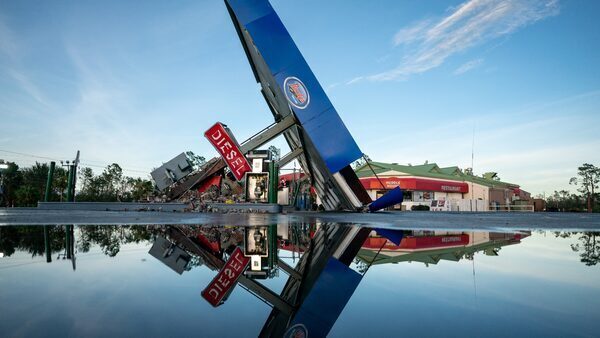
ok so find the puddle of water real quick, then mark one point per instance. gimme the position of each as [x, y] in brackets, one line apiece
[312, 279]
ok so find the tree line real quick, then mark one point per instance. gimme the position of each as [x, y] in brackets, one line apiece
[25, 187]
[110, 238]
[588, 177]
[586, 181]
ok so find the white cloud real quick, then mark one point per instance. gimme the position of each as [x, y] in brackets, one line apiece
[28, 86]
[333, 85]
[538, 146]
[430, 42]
[467, 66]
[11, 53]
[412, 33]
[8, 45]
[355, 80]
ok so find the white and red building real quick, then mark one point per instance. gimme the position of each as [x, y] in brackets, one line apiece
[448, 189]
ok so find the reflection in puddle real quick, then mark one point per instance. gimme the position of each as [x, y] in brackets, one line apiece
[306, 273]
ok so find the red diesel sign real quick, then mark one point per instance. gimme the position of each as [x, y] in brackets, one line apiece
[226, 279]
[229, 149]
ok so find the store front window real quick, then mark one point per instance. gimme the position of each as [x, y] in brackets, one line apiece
[422, 196]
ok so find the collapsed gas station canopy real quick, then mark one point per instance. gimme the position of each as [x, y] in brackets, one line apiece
[290, 88]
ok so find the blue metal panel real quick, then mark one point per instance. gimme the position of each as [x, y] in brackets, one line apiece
[274, 43]
[395, 236]
[247, 11]
[390, 198]
[318, 100]
[308, 100]
[333, 141]
[327, 299]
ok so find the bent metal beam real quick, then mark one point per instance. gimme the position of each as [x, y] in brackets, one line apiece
[291, 89]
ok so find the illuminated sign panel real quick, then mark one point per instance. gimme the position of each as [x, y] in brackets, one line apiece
[295, 80]
[417, 242]
[290, 88]
[415, 184]
[229, 149]
[226, 279]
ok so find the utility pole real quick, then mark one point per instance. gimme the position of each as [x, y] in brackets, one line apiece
[472, 178]
[49, 182]
[293, 187]
[72, 179]
[70, 184]
[3, 166]
[46, 199]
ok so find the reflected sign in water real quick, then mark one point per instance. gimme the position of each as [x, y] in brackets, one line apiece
[316, 280]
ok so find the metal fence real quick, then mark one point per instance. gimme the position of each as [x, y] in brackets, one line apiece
[511, 208]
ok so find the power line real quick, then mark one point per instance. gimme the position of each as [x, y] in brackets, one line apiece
[29, 155]
[106, 163]
[124, 169]
[58, 160]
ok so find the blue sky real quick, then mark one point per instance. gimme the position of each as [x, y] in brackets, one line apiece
[412, 80]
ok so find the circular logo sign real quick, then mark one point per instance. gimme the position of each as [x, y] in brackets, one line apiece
[296, 331]
[296, 93]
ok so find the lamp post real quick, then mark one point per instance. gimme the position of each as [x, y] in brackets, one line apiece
[3, 166]
[72, 177]
[68, 165]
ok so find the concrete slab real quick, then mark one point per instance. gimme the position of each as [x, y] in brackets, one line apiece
[398, 220]
[112, 206]
[270, 208]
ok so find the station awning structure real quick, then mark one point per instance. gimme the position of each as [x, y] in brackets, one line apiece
[318, 138]
[303, 114]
